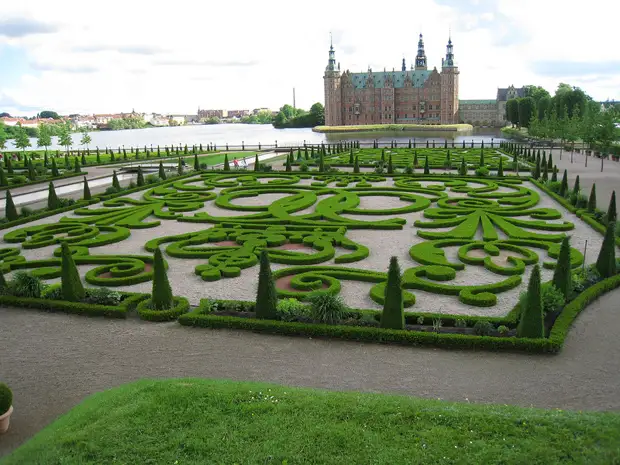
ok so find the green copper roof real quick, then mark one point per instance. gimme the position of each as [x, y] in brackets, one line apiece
[418, 78]
[477, 102]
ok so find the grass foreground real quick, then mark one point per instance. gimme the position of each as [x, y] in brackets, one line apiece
[195, 421]
[395, 127]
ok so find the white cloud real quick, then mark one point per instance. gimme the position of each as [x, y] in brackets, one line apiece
[176, 56]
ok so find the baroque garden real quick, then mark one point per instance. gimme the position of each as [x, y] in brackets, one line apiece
[479, 242]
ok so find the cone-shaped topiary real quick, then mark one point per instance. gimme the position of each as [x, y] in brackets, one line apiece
[564, 185]
[256, 163]
[266, 297]
[537, 170]
[415, 159]
[112, 156]
[83, 159]
[9, 166]
[87, 195]
[531, 319]
[426, 168]
[481, 158]
[52, 199]
[45, 160]
[98, 157]
[32, 174]
[3, 282]
[390, 167]
[577, 187]
[4, 181]
[592, 199]
[226, 164]
[545, 173]
[554, 175]
[162, 172]
[9, 210]
[140, 179]
[321, 163]
[393, 316]
[115, 183]
[161, 296]
[500, 169]
[179, 167]
[606, 261]
[76, 166]
[351, 156]
[70, 282]
[562, 276]
[356, 165]
[196, 163]
[611, 210]
[383, 155]
[463, 167]
[288, 163]
[550, 162]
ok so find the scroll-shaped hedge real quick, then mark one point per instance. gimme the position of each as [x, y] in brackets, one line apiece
[76, 234]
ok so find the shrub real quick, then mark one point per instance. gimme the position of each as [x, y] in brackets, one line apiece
[266, 168]
[393, 315]
[161, 295]
[531, 318]
[6, 398]
[409, 169]
[9, 210]
[327, 308]
[304, 167]
[460, 323]
[26, 285]
[111, 190]
[483, 328]
[503, 330]
[266, 297]
[584, 278]
[606, 261]
[482, 171]
[26, 211]
[132, 184]
[420, 320]
[562, 274]
[379, 169]
[291, 310]
[153, 178]
[102, 296]
[552, 298]
[71, 284]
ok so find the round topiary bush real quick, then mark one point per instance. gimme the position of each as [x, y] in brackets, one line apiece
[6, 398]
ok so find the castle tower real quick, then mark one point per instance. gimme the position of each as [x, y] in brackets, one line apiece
[404, 68]
[449, 87]
[331, 81]
[420, 59]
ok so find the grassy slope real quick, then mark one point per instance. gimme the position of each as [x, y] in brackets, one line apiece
[194, 421]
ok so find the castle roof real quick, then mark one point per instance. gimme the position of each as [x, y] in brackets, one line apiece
[502, 94]
[418, 78]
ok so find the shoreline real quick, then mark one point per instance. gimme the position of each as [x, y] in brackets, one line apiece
[394, 127]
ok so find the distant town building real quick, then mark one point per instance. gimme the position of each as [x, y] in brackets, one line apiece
[206, 114]
[414, 96]
[238, 113]
[28, 123]
[489, 112]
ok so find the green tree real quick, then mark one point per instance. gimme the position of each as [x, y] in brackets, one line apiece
[140, 180]
[288, 163]
[390, 166]
[266, 297]
[606, 261]
[52, 199]
[542, 107]
[256, 163]
[4, 181]
[356, 165]
[76, 166]
[3, 135]
[70, 282]
[562, 276]
[161, 295]
[86, 195]
[196, 163]
[86, 139]
[531, 319]
[115, 183]
[612, 213]
[162, 172]
[564, 184]
[393, 315]
[592, 199]
[9, 210]
[321, 163]
[21, 138]
[179, 167]
[512, 111]
[226, 164]
[64, 136]
[55, 171]
[49, 114]
[526, 106]
[426, 167]
[45, 137]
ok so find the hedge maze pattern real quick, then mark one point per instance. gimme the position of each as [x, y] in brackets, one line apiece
[308, 230]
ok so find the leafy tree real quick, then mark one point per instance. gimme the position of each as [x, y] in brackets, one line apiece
[393, 315]
[86, 195]
[531, 319]
[3, 136]
[606, 261]
[86, 139]
[64, 136]
[70, 282]
[45, 137]
[9, 210]
[49, 114]
[512, 111]
[537, 93]
[21, 138]
[562, 276]
[266, 297]
[606, 132]
[542, 107]
[526, 106]
[52, 199]
[161, 295]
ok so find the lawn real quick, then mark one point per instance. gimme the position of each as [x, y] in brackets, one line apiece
[193, 421]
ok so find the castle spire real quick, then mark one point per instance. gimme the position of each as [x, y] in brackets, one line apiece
[420, 59]
[404, 65]
[449, 60]
[331, 64]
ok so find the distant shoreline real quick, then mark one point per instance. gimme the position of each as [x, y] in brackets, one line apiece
[395, 127]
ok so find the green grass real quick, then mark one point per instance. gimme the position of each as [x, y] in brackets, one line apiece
[191, 421]
[394, 127]
[218, 158]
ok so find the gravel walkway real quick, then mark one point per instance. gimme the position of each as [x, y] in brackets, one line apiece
[53, 361]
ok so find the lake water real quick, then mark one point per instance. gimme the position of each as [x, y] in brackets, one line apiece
[253, 134]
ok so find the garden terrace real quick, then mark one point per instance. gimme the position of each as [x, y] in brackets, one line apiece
[466, 245]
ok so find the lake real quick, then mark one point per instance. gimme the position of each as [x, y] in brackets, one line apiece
[253, 134]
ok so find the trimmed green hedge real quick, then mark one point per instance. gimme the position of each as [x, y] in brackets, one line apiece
[48, 179]
[77, 308]
[181, 306]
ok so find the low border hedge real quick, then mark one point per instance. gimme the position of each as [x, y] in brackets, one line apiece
[77, 308]
[48, 179]
[181, 306]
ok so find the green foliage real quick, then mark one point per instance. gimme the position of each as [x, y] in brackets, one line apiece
[500, 169]
[162, 172]
[140, 177]
[463, 168]
[483, 328]
[128, 122]
[102, 296]
[115, 183]
[426, 167]
[52, 199]
[291, 310]
[482, 171]
[531, 319]
[161, 295]
[24, 284]
[563, 274]
[577, 186]
[6, 398]
[390, 166]
[4, 181]
[564, 186]
[612, 213]
[393, 315]
[592, 199]
[266, 297]
[256, 163]
[226, 164]
[606, 261]
[71, 284]
[9, 210]
[356, 165]
[552, 298]
[327, 308]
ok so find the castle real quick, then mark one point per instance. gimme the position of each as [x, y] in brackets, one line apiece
[415, 96]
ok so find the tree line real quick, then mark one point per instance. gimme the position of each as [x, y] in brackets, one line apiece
[289, 117]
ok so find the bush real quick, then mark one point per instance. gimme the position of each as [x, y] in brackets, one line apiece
[102, 296]
[291, 310]
[552, 298]
[153, 178]
[327, 308]
[460, 323]
[409, 170]
[112, 190]
[26, 285]
[304, 167]
[555, 186]
[584, 278]
[503, 330]
[483, 328]
[26, 211]
[6, 398]
[266, 168]
[482, 171]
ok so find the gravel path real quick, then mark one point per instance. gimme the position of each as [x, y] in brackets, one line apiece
[53, 361]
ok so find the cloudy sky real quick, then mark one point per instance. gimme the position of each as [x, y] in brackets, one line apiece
[176, 56]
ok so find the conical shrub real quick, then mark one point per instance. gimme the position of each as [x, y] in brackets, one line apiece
[592, 199]
[393, 316]
[426, 167]
[161, 296]
[321, 163]
[52, 199]
[196, 163]
[288, 163]
[564, 185]
[4, 180]
[612, 213]
[356, 165]
[70, 282]
[226, 164]
[76, 166]
[500, 169]
[554, 174]
[577, 186]
[87, 195]
[115, 183]
[256, 163]
[606, 261]
[531, 319]
[162, 172]
[9, 210]
[562, 276]
[266, 297]
[390, 166]
[140, 178]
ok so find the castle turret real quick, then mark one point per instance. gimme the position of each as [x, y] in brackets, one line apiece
[404, 68]
[420, 59]
[449, 82]
[331, 80]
